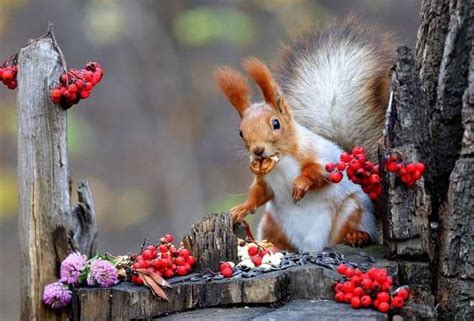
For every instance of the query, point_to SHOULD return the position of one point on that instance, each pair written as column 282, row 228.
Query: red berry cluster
column 370, row 289
column 164, row 259
column 8, row 72
column 77, row 84
column 227, row 269
column 409, row 173
column 359, row 170
column 256, row 254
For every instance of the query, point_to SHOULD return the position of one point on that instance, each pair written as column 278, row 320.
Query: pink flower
column 57, row 295
column 102, row 272
column 72, row 267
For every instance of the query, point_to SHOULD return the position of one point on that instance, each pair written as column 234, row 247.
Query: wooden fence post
column 44, row 209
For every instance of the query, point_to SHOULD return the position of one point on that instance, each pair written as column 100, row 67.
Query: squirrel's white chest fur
column 308, row 223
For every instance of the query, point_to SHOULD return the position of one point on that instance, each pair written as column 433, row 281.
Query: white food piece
column 275, row 158
column 275, row 260
column 232, row 264
column 266, row 267
column 267, row 259
column 247, row 263
column 279, row 254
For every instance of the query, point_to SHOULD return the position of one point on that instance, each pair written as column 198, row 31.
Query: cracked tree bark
column 48, row 232
column 431, row 120
column 44, row 211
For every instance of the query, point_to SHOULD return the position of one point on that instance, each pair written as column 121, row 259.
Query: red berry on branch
column 253, row 250
column 348, row 287
column 403, row 293
column 224, row 266
column 181, row 270
column 341, row 166
column 180, row 260
column 397, row 302
column 355, row 302
column 345, row 157
column 420, row 167
column 135, row 279
column 330, row 167
column 384, row 307
column 12, row 84
column 169, row 238
column 257, row 260
column 7, row 75
column 342, row 269
column 191, row 260
column 339, row 297
column 227, row 272
column 168, row 273
column 335, row 177
column 358, row 292
column 184, row 253
column 383, row 297
column 366, row 301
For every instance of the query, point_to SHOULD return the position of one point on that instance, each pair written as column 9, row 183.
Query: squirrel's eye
column 276, row 124
column 240, row 133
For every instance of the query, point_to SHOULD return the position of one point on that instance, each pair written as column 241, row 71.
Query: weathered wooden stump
column 213, row 240
column 126, row 301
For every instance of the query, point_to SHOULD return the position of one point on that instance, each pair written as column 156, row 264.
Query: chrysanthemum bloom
column 72, row 267
column 57, row 295
column 102, row 272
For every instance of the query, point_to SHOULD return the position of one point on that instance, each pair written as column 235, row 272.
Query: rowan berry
column 355, row 302
column 366, row 301
column 384, row 307
column 227, row 272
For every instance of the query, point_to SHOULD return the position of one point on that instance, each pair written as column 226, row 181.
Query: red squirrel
column 329, row 94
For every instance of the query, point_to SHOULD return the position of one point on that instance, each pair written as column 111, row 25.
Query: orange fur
column 263, row 77
column 257, row 196
column 235, row 88
column 272, row 232
column 349, row 232
column 312, row 178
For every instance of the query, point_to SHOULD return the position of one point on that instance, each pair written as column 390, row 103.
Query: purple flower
column 72, row 267
column 102, row 272
column 57, row 295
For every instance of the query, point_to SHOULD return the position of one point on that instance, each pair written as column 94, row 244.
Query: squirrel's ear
column 263, row 77
column 235, row 88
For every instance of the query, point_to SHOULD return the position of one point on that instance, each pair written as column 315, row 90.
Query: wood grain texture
column 44, row 204
column 213, row 240
column 456, row 220
column 126, row 301
column 85, row 221
column 407, row 211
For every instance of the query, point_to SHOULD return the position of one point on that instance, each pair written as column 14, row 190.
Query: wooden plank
column 128, row 301
column 44, row 203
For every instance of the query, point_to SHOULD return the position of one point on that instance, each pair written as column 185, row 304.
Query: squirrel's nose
column 258, row 150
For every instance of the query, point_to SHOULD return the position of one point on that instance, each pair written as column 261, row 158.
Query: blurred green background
column 156, row 140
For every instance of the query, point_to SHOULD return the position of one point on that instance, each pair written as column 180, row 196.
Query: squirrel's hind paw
column 357, row 238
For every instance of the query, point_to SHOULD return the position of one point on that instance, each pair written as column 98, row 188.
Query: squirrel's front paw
column 300, row 187
column 239, row 212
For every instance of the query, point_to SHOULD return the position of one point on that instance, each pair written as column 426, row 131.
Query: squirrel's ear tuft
column 235, row 88
column 263, row 77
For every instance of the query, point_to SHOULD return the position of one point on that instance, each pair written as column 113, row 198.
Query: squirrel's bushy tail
column 337, row 82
